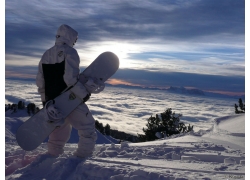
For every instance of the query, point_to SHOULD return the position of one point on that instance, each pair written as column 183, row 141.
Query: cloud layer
column 128, row 110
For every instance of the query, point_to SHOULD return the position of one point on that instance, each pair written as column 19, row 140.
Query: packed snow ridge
column 216, row 153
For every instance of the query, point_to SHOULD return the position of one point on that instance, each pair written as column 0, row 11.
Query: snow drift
column 216, row 153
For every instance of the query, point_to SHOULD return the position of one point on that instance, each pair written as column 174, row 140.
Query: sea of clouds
column 128, row 109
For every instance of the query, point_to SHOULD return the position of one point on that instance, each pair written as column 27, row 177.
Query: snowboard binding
column 92, row 84
column 54, row 115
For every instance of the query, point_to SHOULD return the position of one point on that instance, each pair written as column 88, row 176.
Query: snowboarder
column 57, row 70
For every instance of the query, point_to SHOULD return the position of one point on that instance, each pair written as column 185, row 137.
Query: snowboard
column 38, row 127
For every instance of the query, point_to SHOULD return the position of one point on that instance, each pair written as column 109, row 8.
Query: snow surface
column 215, row 153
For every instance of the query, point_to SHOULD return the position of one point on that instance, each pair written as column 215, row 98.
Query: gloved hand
column 86, row 98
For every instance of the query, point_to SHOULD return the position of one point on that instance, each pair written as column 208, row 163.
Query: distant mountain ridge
column 179, row 90
column 183, row 90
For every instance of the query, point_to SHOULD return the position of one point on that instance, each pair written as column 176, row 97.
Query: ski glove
column 86, row 98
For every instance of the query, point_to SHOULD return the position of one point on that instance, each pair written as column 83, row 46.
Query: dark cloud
column 35, row 23
column 198, row 18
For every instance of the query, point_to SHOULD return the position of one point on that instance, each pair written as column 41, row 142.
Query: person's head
column 66, row 34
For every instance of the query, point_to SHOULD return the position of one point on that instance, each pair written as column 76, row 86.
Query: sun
column 123, row 50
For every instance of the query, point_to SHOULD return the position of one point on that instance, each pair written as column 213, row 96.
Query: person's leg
column 58, row 138
column 82, row 120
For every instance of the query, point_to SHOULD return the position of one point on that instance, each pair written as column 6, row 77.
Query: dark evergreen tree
column 241, row 105
column 20, row 105
column 236, row 109
column 7, row 107
column 96, row 124
column 13, row 108
column 99, row 127
column 31, row 108
column 107, row 129
column 168, row 123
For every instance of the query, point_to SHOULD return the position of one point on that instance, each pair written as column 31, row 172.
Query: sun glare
column 122, row 50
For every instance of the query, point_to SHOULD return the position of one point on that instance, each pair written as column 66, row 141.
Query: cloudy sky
column 194, row 43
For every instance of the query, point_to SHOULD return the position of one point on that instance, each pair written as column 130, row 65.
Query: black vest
column 53, row 77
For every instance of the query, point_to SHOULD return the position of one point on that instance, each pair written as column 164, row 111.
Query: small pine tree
column 168, row 123
column 99, row 127
column 107, row 129
column 31, row 108
column 20, row 105
column 236, row 109
column 241, row 106
column 14, row 108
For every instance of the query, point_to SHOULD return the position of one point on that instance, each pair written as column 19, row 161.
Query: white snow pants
column 82, row 120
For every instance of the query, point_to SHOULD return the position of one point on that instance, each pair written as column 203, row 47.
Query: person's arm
column 72, row 70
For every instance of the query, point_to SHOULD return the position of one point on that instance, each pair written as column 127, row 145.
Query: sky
column 195, row 44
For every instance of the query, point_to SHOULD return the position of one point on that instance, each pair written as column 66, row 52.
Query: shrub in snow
column 165, row 124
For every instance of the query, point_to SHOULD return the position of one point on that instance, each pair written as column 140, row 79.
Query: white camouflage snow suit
column 59, row 69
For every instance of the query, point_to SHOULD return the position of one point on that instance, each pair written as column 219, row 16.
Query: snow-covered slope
column 217, row 153
column 229, row 131
column 14, row 120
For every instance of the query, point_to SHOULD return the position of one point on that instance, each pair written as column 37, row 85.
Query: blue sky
column 195, row 43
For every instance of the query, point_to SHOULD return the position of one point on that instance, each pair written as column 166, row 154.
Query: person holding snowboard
column 58, row 69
